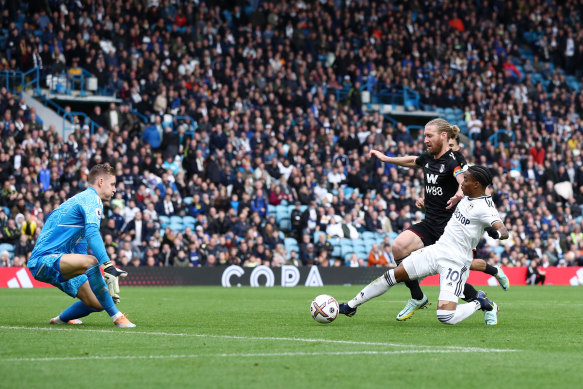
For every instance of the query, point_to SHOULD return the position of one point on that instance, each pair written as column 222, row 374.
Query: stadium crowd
column 260, row 78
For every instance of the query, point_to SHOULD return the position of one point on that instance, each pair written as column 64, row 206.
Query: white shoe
column 502, row 278
column 123, row 322
column 491, row 317
column 412, row 306
column 56, row 320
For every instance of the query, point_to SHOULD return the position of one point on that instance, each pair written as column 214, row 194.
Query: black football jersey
column 440, row 184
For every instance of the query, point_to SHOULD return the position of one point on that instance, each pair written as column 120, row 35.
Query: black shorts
column 428, row 233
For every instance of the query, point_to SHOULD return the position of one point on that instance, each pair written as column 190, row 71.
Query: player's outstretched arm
column 408, row 161
column 452, row 202
column 497, row 231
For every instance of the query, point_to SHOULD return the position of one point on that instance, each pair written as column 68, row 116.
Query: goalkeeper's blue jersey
column 64, row 230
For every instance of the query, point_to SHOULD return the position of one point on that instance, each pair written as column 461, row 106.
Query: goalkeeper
column 60, row 255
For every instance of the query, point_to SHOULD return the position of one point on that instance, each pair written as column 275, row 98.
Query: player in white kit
column 451, row 256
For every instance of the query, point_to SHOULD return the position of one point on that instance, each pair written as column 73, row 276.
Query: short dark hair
column 481, row 174
column 101, row 169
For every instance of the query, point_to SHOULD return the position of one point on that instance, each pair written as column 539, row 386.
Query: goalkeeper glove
column 494, row 233
column 111, row 275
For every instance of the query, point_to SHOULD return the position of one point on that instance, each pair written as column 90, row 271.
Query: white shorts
column 436, row 260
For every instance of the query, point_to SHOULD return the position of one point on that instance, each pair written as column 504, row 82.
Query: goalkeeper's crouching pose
column 60, row 255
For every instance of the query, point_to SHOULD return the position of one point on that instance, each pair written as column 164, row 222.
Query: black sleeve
column 420, row 161
column 454, row 164
column 460, row 158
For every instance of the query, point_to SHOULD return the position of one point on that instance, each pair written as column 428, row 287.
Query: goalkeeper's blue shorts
column 47, row 268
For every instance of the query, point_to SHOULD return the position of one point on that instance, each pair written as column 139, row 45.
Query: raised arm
column 452, row 202
column 408, row 161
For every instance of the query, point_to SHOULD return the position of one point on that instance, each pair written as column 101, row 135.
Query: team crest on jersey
column 441, row 168
column 98, row 212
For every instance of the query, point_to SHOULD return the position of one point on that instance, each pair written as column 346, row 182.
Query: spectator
column 535, row 276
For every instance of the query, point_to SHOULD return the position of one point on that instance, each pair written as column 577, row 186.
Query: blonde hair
column 99, row 171
column 444, row 126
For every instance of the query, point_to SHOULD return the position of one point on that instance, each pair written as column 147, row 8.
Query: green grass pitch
column 207, row 337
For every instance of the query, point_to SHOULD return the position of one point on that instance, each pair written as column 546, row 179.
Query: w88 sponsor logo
column 433, row 190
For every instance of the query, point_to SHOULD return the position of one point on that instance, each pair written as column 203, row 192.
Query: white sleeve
column 490, row 215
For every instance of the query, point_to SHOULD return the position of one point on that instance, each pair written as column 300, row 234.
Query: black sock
column 416, row 292
column 491, row 270
column 470, row 293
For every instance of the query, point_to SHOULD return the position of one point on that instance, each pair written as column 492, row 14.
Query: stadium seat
column 499, row 250
column 187, row 200
column 285, row 224
column 317, row 235
column 164, row 220
column 175, row 219
column 346, row 250
column 177, row 227
column 7, row 247
column 367, row 235
column 290, row 241
column 188, row 220
column 281, row 213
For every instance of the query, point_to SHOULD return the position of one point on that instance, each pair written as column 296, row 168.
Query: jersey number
column 452, row 275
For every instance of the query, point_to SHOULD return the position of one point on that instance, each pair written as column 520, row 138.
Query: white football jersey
column 466, row 226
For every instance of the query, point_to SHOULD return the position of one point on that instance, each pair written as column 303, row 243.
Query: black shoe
column 485, row 303
column 346, row 310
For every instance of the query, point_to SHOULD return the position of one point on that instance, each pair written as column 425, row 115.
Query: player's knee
column 90, row 260
column 399, row 250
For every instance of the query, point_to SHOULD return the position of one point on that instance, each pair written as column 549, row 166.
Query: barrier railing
column 86, row 121
column 494, row 138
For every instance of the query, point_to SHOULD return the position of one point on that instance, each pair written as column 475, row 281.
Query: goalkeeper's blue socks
column 77, row 311
column 99, row 288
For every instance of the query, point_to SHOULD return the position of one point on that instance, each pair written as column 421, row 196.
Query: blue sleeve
column 96, row 242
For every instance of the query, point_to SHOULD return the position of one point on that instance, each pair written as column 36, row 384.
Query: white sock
column 461, row 312
column 58, row 320
column 374, row 289
column 116, row 316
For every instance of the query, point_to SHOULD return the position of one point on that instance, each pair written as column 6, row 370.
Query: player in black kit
column 443, row 175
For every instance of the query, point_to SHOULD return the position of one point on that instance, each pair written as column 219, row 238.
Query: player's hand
column 494, row 233
column 111, row 275
column 420, row 203
column 375, row 153
column 112, row 286
column 454, row 200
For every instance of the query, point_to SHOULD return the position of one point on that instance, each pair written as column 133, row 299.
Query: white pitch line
column 235, row 337
column 252, row 355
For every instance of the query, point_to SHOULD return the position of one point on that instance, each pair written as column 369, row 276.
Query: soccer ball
column 324, row 308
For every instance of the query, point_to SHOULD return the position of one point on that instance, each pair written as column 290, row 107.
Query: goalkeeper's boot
column 114, row 271
column 346, row 310
column 123, row 322
column 412, row 306
column 57, row 320
column 502, row 278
